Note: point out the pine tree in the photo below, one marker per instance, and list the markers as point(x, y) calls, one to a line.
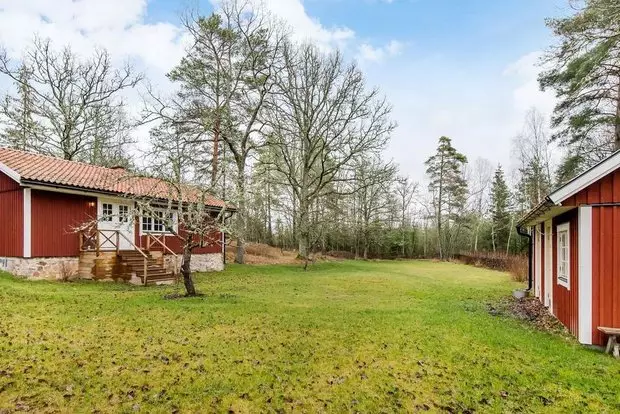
point(585, 74)
point(225, 78)
point(449, 190)
point(500, 210)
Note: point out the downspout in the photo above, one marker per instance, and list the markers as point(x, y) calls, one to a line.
point(523, 233)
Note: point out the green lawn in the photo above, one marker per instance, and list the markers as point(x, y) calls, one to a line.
point(342, 337)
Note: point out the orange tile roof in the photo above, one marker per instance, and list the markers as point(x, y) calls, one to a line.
point(48, 170)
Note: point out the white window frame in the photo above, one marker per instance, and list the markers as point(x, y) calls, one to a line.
point(563, 228)
point(143, 217)
point(104, 211)
point(123, 213)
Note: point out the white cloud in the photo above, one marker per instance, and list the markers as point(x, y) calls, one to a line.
point(481, 108)
point(117, 25)
point(303, 27)
point(528, 94)
point(367, 52)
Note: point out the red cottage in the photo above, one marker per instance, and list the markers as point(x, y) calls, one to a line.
point(576, 251)
point(44, 200)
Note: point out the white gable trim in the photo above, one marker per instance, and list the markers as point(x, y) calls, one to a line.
point(10, 172)
point(587, 178)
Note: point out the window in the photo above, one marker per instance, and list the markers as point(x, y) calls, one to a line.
point(107, 212)
point(147, 224)
point(563, 231)
point(158, 222)
point(123, 214)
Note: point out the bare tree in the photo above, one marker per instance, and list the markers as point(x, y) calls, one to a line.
point(405, 191)
point(533, 154)
point(321, 119)
point(67, 106)
point(373, 179)
point(480, 181)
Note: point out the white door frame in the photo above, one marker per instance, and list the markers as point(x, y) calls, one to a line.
point(549, 265)
point(107, 227)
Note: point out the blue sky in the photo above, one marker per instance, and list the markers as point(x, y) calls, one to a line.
point(462, 68)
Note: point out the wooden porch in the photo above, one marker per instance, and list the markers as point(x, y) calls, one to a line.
point(102, 257)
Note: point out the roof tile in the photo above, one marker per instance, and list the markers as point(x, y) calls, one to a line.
point(50, 170)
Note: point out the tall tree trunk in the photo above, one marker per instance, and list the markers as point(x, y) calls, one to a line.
point(303, 227)
point(269, 223)
point(216, 151)
point(190, 290)
point(241, 214)
point(509, 234)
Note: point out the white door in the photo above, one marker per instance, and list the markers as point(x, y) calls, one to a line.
point(115, 215)
point(549, 265)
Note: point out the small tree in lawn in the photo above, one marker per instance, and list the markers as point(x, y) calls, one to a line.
point(188, 212)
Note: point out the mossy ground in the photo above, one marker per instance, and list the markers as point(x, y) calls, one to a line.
point(341, 337)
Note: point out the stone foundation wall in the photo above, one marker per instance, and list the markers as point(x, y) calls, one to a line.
point(210, 262)
point(103, 267)
point(50, 268)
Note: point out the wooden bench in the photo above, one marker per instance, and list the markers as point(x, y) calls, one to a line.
point(613, 346)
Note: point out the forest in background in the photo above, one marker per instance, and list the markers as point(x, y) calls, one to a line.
point(294, 137)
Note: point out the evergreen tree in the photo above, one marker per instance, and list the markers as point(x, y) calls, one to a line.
point(225, 79)
point(585, 74)
point(500, 210)
point(449, 190)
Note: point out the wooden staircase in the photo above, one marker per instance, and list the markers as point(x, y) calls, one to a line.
point(132, 262)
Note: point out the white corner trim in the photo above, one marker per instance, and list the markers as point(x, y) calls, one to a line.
point(10, 172)
point(585, 275)
point(582, 181)
point(538, 254)
point(27, 222)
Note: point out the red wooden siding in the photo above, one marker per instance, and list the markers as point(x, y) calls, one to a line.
point(11, 217)
point(565, 302)
point(54, 215)
point(605, 190)
point(605, 269)
point(175, 244)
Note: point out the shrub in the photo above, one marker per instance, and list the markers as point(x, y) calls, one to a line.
point(516, 265)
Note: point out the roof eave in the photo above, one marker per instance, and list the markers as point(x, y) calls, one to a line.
point(49, 185)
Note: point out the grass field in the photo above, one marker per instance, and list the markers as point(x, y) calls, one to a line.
point(342, 337)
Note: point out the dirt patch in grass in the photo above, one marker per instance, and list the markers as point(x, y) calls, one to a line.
point(531, 311)
point(259, 253)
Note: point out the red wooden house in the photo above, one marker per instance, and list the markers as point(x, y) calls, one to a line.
point(44, 200)
point(576, 251)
